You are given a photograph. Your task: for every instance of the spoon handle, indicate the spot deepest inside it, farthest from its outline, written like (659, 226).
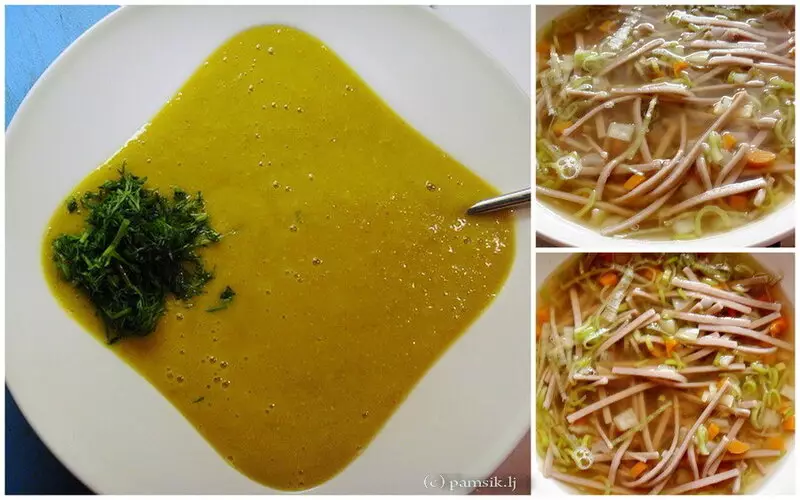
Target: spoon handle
(504, 201)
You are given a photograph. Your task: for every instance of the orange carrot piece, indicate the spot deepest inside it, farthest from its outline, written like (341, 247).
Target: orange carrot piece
(608, 279)
(670, 343)
(738, 447)
(543, 47)
(777, 327)
(788, 423)
(543, 315)
(560, 126)
(728, 141)
(638, 469)
(633, 181)
(679, 66)
(775, 443)
(738, 202)
(759, 158)
(713, 431)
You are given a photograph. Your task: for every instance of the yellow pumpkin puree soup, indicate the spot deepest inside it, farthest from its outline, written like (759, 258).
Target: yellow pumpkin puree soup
(344, 237)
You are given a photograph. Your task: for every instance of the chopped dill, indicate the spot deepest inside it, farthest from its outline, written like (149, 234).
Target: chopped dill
(137, 248)
(199, 400)
(225, 298)
(72, 205)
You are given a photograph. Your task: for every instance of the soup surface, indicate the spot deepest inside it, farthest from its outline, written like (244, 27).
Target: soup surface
(345, 240)
(666, 122)
(663, 374)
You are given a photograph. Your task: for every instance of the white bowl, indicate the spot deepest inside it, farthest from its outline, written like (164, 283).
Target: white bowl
(560, 230)
(781, 478)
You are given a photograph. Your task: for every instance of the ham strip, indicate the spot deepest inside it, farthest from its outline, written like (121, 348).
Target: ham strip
(666, 455)
(693, 461)
(602, 434)
(757, 351)
(733, 367)
(630, 391)
(612, 474)
(769, 318)
(715, 292)
(715, 341)
(601, 393)
(650, 372)
(718, 450)
(726, 303)
(708, 319)
(548, 461)
(746, 332)
(752, 454)
(646, 317)
(673, 463)
(702, 483)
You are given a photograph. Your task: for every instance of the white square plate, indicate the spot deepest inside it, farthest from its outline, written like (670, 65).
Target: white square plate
(104, 421)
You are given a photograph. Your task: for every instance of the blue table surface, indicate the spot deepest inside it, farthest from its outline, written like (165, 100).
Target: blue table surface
(35, 36)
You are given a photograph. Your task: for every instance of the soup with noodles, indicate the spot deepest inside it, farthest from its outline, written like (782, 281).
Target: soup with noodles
(666, 374)
(661, 122)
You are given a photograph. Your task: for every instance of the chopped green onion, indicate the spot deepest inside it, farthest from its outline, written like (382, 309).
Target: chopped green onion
(701, 439)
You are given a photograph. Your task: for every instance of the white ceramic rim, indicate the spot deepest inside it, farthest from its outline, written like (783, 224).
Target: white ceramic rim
(559, 229)
(781, 480)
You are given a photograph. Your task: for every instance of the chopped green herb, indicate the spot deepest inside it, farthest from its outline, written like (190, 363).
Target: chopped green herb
(225, 299)
(137, 248)
(72, 205)
(199, 400)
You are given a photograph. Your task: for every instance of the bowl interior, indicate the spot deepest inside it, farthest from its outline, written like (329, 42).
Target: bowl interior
(780, 480)
(560, 230)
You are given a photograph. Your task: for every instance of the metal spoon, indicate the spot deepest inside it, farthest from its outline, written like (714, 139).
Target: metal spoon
(502, 202)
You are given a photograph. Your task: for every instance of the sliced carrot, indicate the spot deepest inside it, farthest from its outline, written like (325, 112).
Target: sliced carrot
(543, 315)
(777, 327)
(713, 430)
(679, 66)
(759, 158)
(634, 181)
(728, 141)
(738, 202)
(770, 358)
(775, 443)
(638, 469)
(738, 447)
(788, 423)
(608, 279)
(543, 47)
(560, 126)
(670, 344)
(607, 26)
